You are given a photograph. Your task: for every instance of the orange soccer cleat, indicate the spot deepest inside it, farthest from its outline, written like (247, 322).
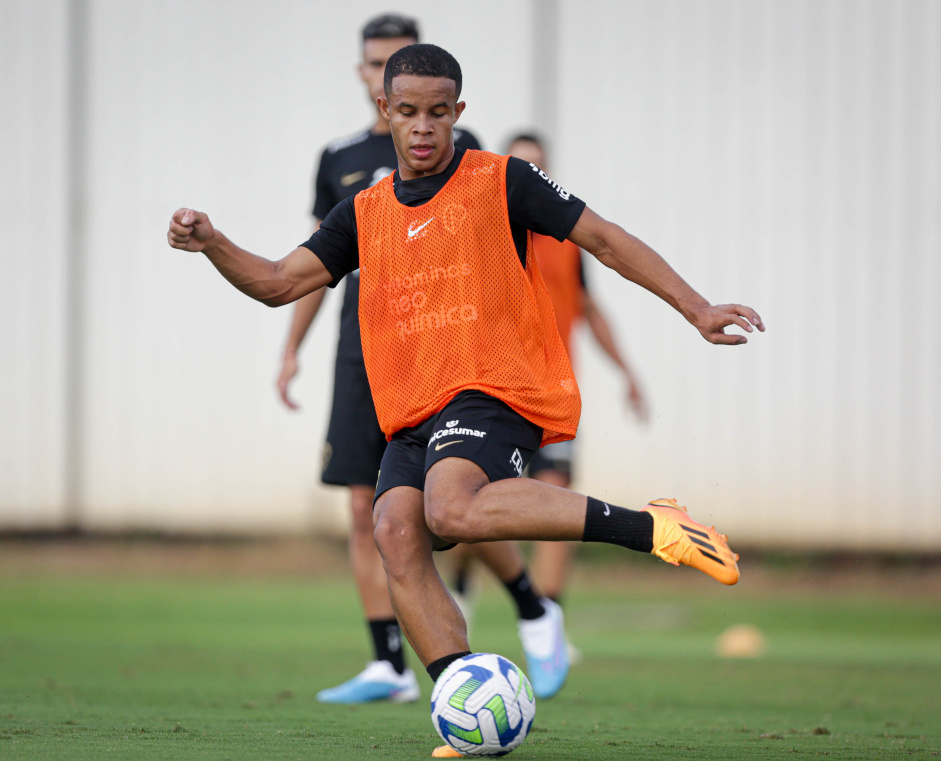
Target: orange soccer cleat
(677, 538)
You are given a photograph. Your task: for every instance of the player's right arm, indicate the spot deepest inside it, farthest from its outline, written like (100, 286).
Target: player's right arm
(273, 283)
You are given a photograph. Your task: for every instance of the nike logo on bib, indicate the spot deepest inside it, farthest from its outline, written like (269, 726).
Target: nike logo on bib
(607, 510)
(439, 445)
(413, 231)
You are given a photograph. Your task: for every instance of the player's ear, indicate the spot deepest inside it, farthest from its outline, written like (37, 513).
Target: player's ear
(459, 109)
(383, 104)
(361, 70)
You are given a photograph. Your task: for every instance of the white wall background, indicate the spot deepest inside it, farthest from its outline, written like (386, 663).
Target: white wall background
(782, 154)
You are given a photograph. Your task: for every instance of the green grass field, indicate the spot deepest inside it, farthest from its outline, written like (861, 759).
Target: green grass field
(112, 663)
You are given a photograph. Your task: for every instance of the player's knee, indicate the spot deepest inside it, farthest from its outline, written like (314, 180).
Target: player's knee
(396, 535)
(449, 517)
(384, 533)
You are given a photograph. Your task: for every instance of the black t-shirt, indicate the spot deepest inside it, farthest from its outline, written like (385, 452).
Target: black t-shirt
(346, 167)
(534, 203)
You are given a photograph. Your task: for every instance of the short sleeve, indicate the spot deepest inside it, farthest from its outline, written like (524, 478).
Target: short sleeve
(538, 203)
(335, 243)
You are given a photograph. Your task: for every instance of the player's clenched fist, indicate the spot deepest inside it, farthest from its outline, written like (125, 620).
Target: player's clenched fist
(190, 230)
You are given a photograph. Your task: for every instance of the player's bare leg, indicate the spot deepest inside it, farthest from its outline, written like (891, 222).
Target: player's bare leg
(386, 677)
(461, 502)
(427, 613)
(461, 506)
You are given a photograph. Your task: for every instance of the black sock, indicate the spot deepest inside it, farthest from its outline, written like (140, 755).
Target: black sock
(387, 642)
(618, 525)
(528, 605)
(461, 581)
(436, 668)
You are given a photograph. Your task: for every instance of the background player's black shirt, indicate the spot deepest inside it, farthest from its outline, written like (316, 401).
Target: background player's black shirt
(346, 167)
(534, 203)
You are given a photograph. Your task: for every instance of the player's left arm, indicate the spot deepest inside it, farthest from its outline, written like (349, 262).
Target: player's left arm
(634, 260)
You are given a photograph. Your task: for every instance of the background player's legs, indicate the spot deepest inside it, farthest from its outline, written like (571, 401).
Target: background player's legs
(552, 561)
(427, 613)
(503, 558)
(365, 559)
(541, 624)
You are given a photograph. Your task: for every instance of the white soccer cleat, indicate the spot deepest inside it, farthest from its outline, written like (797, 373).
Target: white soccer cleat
(546, 649)
(378, 681)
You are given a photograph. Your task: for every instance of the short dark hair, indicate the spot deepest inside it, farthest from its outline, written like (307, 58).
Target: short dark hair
(526, 137)
(389, 26)
(423, 60)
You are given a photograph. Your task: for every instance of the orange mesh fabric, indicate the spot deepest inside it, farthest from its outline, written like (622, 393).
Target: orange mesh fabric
(445, 305)
(559, 262)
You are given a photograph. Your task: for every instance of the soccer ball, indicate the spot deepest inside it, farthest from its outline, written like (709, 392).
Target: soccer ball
(483, 705)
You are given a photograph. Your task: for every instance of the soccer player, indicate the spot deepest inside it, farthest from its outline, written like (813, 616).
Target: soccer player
(466, 366)
(355, 443)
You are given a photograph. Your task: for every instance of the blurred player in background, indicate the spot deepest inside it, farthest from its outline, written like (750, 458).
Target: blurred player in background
(355, 443)
(562, 266)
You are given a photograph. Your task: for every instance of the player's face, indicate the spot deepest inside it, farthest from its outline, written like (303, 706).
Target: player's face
(422, 112)
(529, 151)
(375, 55)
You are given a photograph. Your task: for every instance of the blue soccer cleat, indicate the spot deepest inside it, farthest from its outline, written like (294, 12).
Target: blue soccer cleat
(546, 649)
(378, 681)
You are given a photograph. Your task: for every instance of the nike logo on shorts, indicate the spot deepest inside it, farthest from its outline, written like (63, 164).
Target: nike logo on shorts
(439, 445)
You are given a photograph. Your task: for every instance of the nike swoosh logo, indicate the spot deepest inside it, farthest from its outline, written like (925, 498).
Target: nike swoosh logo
(348, 179)
(412, 232)
(439, 445)
(607, 510)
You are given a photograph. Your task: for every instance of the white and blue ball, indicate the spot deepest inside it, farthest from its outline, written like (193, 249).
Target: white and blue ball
(483, 705)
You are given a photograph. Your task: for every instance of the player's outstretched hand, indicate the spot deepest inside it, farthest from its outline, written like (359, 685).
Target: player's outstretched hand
(712, 321)
(190, 230)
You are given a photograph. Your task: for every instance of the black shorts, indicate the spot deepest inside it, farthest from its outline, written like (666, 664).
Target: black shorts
(355, 443)
(473, 426)
(555, 457)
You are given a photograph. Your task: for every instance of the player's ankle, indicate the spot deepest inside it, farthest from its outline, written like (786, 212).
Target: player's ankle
(617, 525)
(436, 668)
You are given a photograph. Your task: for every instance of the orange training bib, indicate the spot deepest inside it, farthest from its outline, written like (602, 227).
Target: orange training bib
(445, 305)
